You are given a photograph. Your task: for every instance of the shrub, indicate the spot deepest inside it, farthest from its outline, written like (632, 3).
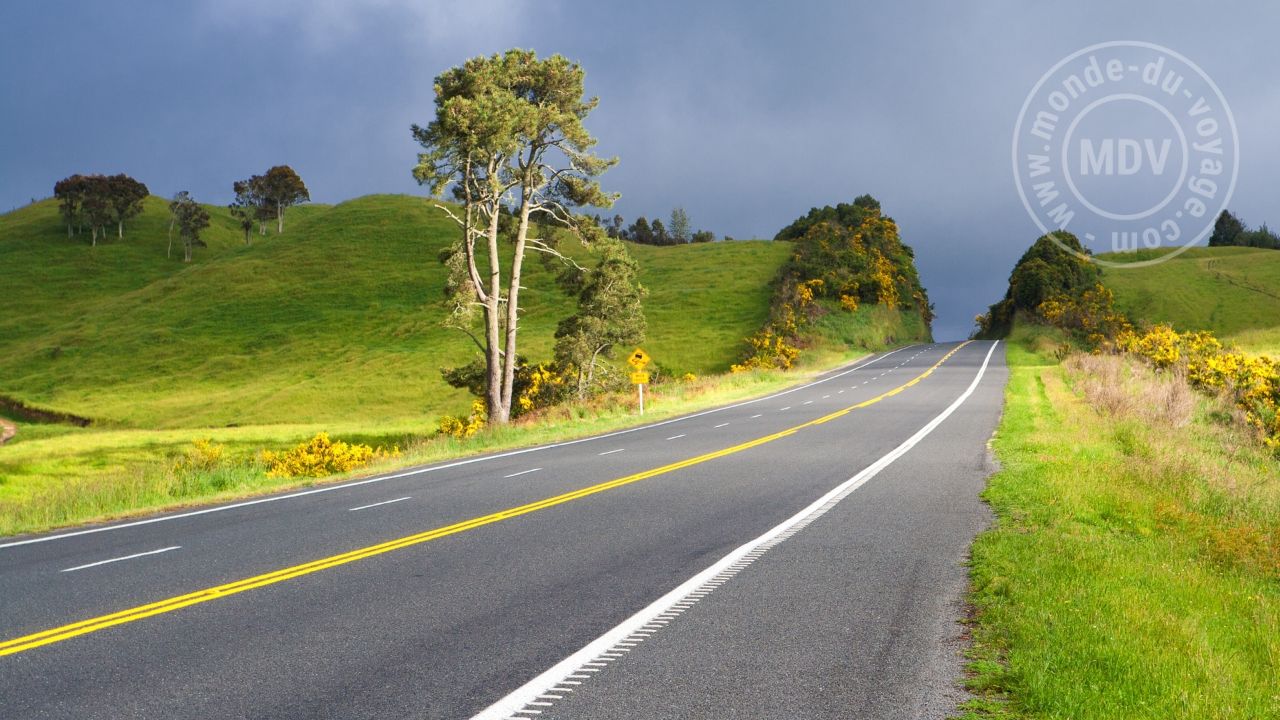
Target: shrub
(463, 428)
(768, 351)
(203, 455)
(321, 456)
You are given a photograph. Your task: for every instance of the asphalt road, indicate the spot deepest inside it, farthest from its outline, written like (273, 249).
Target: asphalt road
(797, 556)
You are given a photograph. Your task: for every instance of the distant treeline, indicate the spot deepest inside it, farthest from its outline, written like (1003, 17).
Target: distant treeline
(1230, 229)
(677, 231)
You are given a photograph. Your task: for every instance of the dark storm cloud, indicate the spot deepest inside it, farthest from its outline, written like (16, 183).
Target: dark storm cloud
(745, 114)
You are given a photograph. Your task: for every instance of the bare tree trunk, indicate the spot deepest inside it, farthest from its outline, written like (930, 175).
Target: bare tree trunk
(279, 218)
(246, 235)
(69, 233)
(513, 303)
(120, 229)
(498, 411)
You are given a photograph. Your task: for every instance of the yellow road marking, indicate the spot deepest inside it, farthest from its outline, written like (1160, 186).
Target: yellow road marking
(66, 632)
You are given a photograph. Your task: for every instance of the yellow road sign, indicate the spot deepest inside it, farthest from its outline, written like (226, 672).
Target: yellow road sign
(639, 378)
(638, 359)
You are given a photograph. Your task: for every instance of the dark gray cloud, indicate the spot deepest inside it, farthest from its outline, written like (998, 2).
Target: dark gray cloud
(745, 114)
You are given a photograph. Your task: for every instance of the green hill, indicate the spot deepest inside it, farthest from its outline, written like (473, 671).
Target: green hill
(336, 319)
(1233, 291)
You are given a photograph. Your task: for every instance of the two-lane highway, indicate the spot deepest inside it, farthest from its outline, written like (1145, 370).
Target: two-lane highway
(496, 583)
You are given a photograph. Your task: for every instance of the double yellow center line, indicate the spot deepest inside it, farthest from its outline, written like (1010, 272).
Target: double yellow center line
(66, 632)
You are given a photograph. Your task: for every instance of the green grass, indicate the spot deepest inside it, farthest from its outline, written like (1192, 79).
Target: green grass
(1232, 291)
(334, 326)
(1134, 568)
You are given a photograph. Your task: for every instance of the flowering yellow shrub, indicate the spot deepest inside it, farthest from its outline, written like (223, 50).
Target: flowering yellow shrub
(321, 456)
(545, 387)
(768, 350)
(882, 276)
(1160, 346)
(1253, 383)
(465, 427)
(1091, 315)
(689, 377)
(849, 302)
(203, 454)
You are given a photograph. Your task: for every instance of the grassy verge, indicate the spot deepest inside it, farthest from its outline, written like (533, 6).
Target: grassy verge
(54, 475)
(1134, 568)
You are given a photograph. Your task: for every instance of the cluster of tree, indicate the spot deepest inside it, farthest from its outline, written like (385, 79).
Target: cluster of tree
(1048, 269)
(188, 218)
(858, 255)
(1230, 229)
(262, 198)
(97, 201)
(508, 140)
(656, 233)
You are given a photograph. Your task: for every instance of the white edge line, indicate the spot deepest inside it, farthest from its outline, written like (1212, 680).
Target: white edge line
(446, 466)
(519, 698)
(126, 557)
(384, 502)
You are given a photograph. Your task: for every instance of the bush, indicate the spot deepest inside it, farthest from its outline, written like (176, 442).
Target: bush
(463, 428)
(321, 456)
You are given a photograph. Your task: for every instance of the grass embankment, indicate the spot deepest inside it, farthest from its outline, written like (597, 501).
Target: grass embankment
(1134, 568)
(333, 326)
(1232, 291)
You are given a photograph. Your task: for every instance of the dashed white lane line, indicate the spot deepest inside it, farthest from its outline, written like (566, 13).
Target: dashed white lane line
(839, 392)
(522, 472)
(610, 452)
(824, 397)
(807, 402)
(785, 408)
(384, 502)
(126, 557)
(719, 426)
(677, 437)
(599, 653)
(753, 417)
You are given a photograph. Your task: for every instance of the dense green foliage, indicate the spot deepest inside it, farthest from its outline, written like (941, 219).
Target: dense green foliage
(97, 201)
(856, 260)
(846, 214)
(1045, 270)
(1230, 230)
(609, 315)
(856, 256)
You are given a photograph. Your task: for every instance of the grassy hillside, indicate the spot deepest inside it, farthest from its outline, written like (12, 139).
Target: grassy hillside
(1233, 291)
(336, 319)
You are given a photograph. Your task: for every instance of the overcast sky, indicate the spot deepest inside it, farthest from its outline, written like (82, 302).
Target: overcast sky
(745, 114)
